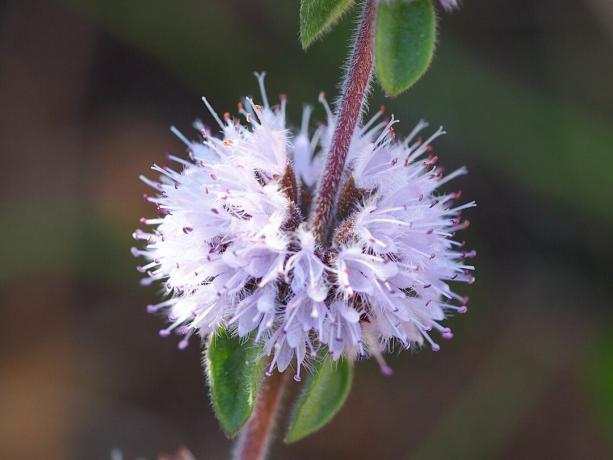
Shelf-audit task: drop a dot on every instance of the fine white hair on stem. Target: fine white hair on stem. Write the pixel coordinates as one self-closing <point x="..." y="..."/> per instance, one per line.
<point x="346" y="67"/>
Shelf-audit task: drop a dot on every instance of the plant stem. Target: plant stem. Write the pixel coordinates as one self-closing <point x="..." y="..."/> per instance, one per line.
<point x="349" y="110"/>
<point x="254" y="439"/>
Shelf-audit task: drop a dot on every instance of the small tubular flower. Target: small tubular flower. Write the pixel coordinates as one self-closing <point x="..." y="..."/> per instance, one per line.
<point x="450" y="5"/>
<point x="232" y="245"/>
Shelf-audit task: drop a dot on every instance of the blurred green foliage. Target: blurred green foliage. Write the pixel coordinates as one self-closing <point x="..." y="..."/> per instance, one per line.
<point x="599" y="379"/>
<point x="480" y="420"/>
<point x="548" y="146"/>
<point x="553" y="148"/>
<point x="63" y="237"/>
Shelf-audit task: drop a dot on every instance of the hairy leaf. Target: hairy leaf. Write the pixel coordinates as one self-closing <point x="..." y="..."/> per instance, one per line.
<point x="318" y="16"/>
<point x="404" y="43"/>
<point x="324" y="393"/>
<point x="234" y="370"/>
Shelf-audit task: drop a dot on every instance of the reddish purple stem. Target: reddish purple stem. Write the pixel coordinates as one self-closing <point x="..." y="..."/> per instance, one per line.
<point x="254" y="439"/>
<point x="349" y="111"/>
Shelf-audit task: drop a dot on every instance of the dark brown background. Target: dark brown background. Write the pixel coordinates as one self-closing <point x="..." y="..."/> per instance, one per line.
<point x="87" y="91"/>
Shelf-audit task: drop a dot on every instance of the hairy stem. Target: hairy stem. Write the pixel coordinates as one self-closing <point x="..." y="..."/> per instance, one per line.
<point x="254" y="439"/>
<point x="349" y="110"/>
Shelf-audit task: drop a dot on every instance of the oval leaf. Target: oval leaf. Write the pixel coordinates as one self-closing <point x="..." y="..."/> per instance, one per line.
<point x="234" y="370"/>
<point x="318" y="16"/>
<point x="324" y="393"/>
<point x="404" y="43"/>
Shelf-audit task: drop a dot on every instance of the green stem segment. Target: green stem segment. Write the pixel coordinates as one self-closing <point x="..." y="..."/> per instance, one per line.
<point x="355" y="89"/>
<point x="255" y="438"/>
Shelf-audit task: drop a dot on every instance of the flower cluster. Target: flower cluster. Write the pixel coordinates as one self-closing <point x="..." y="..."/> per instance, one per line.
<point x="232" y="246"/>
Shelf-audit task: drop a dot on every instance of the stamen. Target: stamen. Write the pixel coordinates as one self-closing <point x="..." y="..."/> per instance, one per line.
<point x="384" y="368"/>
<point x="261" y="76"/>
<point x="306" y="116"/>
<point x="180" y="135"/>
<point x="182" y="345"/>
<point x="458" y="172"/>
<point x="213" y="113"/>
<point x="418" y="127"/>
<point x="150" y="183"/>
<point x="324" y="102"/>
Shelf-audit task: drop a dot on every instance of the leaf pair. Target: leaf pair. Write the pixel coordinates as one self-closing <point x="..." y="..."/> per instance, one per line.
<point x="404" y="40"/>
<point x="234" y="367"/>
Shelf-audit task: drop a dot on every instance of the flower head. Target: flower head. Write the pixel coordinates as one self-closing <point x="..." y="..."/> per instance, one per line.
<point x="232" y="245"/>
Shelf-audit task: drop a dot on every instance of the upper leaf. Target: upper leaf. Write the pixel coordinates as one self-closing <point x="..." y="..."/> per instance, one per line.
<point x="324" y="393"/>
<point x="234" y="369"/>
<point x="318" y="16"/>
<point x="404" y="43"/>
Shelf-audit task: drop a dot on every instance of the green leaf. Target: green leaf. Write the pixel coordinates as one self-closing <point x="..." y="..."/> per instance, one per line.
<point x="404" y="43"/>
<point x="234" y="368"/>
<point x="324" y="393"/>
<point x="318" y="16"/>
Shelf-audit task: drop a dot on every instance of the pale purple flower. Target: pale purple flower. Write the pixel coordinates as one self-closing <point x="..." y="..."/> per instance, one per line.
<point x="232" y="247"/>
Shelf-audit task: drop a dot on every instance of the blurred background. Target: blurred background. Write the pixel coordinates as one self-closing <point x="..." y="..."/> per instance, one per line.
<point x="88" y="89"/>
